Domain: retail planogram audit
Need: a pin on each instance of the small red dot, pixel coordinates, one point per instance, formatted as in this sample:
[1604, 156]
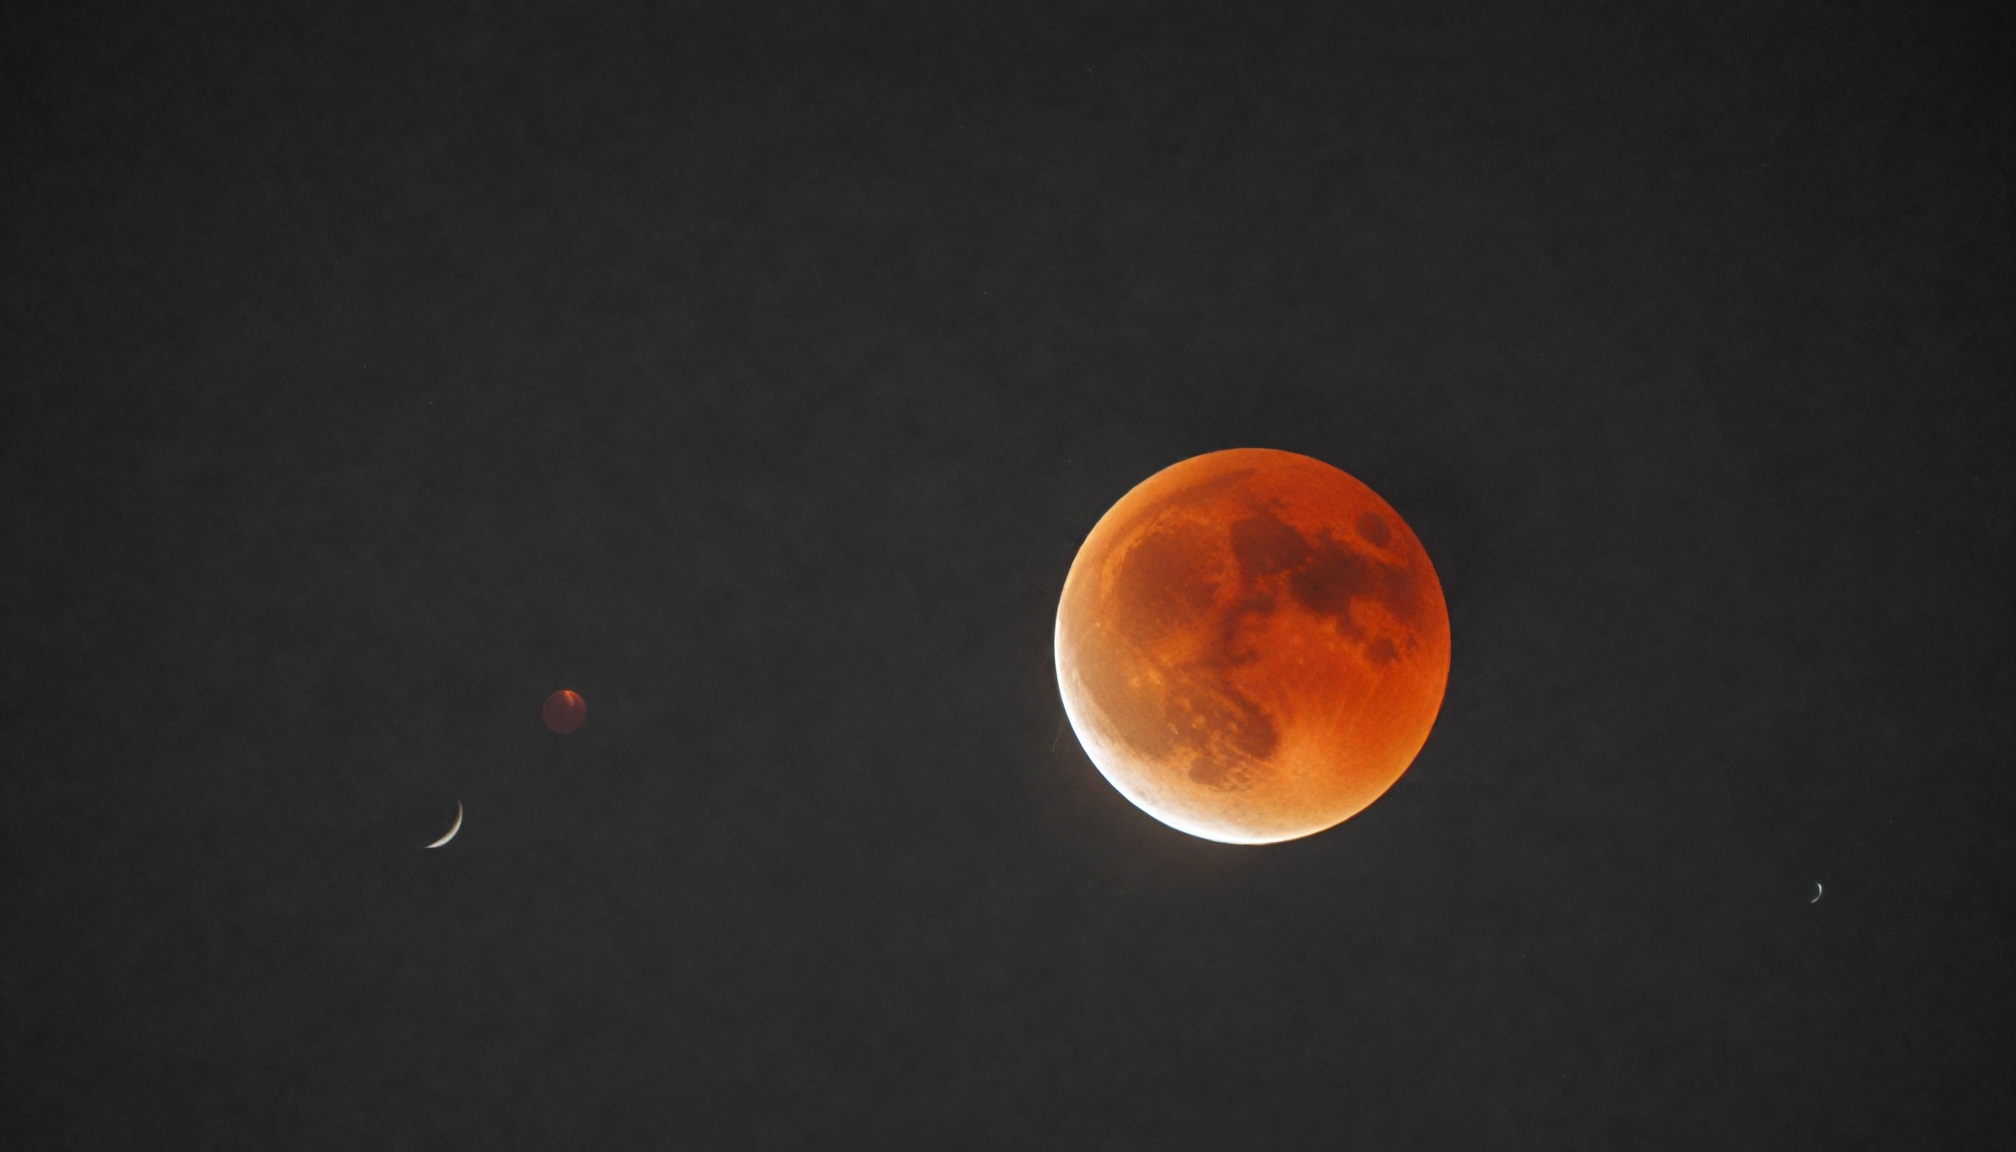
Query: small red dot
[564, 711]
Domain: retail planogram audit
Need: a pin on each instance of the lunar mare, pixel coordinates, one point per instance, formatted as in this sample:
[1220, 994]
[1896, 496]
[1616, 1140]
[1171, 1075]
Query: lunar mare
[1252, 646]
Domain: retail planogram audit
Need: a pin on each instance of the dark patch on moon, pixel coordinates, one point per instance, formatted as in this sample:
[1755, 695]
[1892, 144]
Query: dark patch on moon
[1170, 583]
[1331, 581]
[1214, 773]
[1264, 545]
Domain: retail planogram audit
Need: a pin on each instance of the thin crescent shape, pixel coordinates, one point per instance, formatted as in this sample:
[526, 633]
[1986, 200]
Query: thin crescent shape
[1819, 890]
[452, 828]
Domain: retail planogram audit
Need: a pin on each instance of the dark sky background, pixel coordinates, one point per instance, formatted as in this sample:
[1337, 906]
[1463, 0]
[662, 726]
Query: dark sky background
[756, 372]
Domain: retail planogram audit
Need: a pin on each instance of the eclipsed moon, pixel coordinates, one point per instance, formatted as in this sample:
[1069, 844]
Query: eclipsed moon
[1252, 646]
[564, 711]
[452, 828]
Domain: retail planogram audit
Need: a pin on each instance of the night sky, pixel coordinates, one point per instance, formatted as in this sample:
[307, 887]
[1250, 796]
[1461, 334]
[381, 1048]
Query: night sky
[756, 372]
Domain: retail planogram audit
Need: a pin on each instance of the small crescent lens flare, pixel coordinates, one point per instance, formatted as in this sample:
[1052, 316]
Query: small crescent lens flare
[564, 711]
[1252, 646]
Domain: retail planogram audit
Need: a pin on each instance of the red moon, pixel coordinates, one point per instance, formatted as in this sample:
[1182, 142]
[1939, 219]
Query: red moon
[564, 711]
[1252, 646]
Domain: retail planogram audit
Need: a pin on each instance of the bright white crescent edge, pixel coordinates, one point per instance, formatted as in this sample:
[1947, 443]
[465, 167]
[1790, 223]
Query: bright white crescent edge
[1819, 889]
[452, 828]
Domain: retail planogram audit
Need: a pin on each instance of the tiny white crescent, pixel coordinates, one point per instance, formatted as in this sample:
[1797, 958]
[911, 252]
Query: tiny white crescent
[452, 828]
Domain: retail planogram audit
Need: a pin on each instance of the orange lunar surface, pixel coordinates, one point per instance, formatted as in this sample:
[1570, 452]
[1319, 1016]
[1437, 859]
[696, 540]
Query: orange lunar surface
[1252, 646]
